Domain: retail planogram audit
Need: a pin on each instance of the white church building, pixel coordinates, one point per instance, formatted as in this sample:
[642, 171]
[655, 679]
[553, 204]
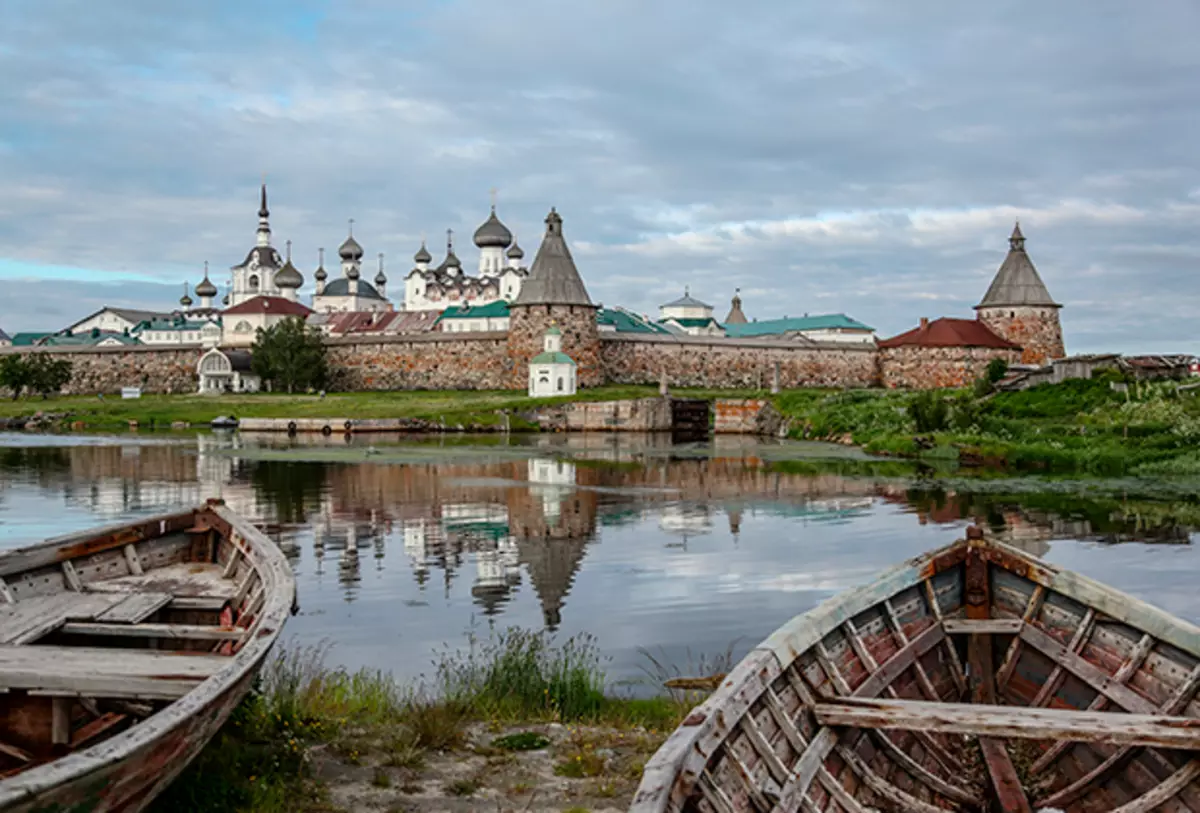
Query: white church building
[552, 372]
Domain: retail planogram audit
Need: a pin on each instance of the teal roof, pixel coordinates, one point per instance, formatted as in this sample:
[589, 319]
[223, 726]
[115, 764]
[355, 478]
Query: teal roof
[691, 322]
[552, 358]
[86, 340]
[493, 310]
[169, 324]
[28, 339]
[626, 322]
[778, 327]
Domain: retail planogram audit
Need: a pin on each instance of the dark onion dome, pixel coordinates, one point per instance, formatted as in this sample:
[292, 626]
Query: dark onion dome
[515, 252]
[185, 300]
[380, 279]
[352, 272]
[320, 273]
[288, 276]
[493, 233]
[422, 255]
[341, 287]
[225, 300]
[206, 288]
[350, 250]
[265, 256]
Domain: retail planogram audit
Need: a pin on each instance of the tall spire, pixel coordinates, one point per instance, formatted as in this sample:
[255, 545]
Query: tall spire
[1017, 241]
[264, 214]
[553, 277]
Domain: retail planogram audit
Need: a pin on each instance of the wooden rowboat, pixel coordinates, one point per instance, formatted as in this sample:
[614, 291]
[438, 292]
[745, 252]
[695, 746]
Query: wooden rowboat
[972, 678]
[124, 649]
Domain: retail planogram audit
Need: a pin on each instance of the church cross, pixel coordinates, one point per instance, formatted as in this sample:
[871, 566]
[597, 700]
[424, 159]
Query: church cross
[351, 227]
[449, 240]
[493, 194]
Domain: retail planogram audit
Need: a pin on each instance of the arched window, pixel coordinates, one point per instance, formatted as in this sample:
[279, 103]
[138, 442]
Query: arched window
[253, 282]
[560, 384]
[243, 327]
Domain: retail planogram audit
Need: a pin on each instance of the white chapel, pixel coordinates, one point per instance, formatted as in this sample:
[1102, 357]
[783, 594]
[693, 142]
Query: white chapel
[552, 372]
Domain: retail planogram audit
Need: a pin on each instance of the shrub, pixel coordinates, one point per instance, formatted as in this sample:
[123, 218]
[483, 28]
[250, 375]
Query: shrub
[929, 411]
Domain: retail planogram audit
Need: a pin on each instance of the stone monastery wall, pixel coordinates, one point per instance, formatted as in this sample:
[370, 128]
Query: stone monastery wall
[734, 363]
[921, 368]
[477, 361]
[432, 361]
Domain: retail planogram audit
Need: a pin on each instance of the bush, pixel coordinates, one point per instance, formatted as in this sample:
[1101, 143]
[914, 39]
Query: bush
[929, 412]
[996, 370]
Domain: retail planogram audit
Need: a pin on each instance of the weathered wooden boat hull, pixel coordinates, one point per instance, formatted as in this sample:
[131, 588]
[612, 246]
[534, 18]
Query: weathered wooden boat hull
[126, 771]
[974, 677]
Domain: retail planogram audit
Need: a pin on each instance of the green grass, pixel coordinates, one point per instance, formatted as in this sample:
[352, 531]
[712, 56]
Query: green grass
[481, 408]
[259, 762]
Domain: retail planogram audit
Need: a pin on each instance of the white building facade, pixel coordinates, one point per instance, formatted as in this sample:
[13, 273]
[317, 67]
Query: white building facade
[552, 372]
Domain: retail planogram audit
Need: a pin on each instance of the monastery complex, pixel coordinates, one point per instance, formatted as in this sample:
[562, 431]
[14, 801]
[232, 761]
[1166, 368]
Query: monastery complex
[511, 325]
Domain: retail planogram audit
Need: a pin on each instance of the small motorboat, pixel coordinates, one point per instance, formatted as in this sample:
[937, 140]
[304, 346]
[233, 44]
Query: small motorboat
[224, 422]
[124, 649]
[973, 678]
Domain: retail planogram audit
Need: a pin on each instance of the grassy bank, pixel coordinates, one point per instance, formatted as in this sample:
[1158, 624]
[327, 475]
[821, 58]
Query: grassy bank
[1104, 426]
[511, 717]
[470, 408]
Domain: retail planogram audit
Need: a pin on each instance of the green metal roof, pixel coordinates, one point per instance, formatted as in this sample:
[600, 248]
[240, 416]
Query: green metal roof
[778, 327]
[87, 340]
[169, 324]
[626, 322]
[552, 358]
[492, 310]
[28, 339]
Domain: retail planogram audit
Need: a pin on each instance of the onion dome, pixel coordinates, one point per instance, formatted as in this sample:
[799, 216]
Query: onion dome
[206, 288]
[515, 252]
[320, 274]
[225, 299]
[350, 250]
[352, 272]
[452, 260]
[380, 279]
[422, 255]
[289, 276]
[185, 300]
[493, 233]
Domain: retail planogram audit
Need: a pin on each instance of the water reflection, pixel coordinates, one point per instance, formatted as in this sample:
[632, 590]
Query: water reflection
[644, 544]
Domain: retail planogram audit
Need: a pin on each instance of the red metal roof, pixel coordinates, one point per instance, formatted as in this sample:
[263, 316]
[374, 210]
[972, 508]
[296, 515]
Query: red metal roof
[947, 332]
[268, 304]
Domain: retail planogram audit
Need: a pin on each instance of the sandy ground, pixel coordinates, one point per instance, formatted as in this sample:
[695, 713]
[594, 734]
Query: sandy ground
[584, 768]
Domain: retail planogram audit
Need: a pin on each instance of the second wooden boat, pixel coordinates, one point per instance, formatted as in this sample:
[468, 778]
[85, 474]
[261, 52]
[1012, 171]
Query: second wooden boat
[124, 649]
[972, 678]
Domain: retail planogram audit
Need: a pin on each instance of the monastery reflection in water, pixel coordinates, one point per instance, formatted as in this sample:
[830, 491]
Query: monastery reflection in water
[502, 522]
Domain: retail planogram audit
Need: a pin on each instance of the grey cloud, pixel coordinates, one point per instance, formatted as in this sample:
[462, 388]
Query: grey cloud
[791, 149]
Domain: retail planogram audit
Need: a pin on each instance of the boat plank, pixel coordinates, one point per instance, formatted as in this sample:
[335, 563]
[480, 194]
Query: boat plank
[1014, 721]
[1174, 705]
[1131, 665]
[65, 548]
[956, 668]
[135, 607]
[64, 670]
[1009, 792]
[1164, 791]
[190, 632]
[982, 626]
[31, 618]
[1089, 673]
[182, 579]
[1096, 677]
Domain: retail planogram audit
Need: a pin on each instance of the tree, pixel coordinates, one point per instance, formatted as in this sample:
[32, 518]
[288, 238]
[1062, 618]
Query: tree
[14, 374]
[47, 374]
[291, 356]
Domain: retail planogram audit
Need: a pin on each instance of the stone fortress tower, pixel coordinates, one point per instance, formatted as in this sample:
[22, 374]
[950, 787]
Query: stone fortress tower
[1018, 307]
[555, 294]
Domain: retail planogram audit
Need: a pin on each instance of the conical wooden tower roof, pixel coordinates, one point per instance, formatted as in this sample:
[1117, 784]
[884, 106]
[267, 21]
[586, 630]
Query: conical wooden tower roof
[553, 277]
[1017, 283]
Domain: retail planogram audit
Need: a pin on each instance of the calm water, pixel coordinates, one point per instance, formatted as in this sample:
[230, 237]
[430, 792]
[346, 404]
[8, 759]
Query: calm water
[401, 549]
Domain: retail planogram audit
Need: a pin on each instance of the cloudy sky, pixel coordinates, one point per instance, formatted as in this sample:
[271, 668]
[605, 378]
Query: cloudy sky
[864, 156]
